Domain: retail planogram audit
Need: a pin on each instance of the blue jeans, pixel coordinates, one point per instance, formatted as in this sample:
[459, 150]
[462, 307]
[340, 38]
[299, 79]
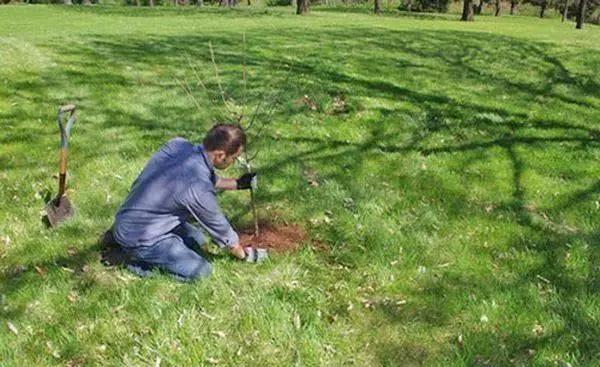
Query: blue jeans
[172, 254]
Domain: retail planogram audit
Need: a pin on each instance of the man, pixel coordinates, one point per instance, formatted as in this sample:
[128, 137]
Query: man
[178, 184]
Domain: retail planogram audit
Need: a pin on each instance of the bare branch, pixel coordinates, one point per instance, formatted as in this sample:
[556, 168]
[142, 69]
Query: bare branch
[188, 91]
[212, 57]
[244, 78]
[200, 82]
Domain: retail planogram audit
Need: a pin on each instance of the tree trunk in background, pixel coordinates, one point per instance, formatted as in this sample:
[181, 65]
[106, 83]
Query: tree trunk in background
[377, 7]
[68, 2]
[513, 7]
[249, 3]
[580, 14]
[565, 11]
[151, 3]
[497, 12]
[87, 2]
[302, 8]
[543, 9]
[479, 8]
[467, 14]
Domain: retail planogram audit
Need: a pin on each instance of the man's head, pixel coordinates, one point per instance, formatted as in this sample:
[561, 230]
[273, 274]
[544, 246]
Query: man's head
[224, 144]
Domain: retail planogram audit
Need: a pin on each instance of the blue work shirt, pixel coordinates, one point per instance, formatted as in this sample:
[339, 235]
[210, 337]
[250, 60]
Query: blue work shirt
[177, 184]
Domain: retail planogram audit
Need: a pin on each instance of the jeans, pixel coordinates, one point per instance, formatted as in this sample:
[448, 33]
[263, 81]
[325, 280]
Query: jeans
[172, 254]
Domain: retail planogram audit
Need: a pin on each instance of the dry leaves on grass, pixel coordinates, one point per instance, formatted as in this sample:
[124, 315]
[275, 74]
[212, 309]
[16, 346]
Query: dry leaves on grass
[306, 101]
[13, 329]
[310, 176]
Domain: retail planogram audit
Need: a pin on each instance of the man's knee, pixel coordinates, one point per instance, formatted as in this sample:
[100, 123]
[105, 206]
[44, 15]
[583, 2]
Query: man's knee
[200, 269]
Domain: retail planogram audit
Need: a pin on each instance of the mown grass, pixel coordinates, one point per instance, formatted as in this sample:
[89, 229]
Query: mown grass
[457, 194]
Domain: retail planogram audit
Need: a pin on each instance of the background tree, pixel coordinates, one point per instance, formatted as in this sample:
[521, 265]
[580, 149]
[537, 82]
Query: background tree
[302, 8]
[467, 13]
[580, 14]
[497, 8]
[513, 7]
[565, 11]
[377, 7]
[544, 5]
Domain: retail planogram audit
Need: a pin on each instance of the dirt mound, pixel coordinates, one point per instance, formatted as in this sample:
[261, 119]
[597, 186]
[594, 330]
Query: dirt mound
[276, 238]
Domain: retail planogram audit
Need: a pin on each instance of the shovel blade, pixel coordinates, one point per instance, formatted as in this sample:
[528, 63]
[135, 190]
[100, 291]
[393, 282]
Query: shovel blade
[58, 210]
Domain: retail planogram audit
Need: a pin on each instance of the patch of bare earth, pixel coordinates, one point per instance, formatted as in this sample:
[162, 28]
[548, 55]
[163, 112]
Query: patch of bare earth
[276, 238]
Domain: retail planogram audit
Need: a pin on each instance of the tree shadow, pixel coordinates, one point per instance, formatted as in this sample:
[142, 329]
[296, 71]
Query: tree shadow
[461, 127]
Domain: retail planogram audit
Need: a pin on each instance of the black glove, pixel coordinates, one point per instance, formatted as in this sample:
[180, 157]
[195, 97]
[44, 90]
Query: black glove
[247, 181]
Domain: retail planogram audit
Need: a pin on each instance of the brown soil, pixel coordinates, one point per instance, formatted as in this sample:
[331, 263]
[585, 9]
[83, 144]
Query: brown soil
[276, 238]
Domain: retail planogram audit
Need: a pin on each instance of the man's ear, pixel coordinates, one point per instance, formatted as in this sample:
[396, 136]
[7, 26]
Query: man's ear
[219, 155]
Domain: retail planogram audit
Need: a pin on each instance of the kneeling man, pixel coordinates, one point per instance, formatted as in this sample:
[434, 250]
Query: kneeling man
[177, 185]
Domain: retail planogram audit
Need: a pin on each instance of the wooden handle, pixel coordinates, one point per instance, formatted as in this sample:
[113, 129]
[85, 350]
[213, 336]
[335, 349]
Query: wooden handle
[67, 108]
[62, 178]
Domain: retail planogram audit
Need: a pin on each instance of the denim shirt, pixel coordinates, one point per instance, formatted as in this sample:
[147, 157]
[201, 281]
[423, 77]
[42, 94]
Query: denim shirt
[176, 185]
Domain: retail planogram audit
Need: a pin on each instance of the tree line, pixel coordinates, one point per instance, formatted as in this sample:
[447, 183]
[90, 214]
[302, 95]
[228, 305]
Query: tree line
[578, 10]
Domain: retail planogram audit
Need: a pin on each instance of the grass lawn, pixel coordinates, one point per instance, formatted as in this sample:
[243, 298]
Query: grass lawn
[456, 193]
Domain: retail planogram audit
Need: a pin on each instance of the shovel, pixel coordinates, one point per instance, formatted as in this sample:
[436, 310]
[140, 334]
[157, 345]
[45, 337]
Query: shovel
[59, 209]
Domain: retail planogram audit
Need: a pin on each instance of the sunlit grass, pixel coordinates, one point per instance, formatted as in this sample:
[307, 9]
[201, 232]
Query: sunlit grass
[455, 187]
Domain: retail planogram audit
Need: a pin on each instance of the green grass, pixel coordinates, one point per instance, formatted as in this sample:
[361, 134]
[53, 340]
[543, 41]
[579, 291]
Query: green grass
[458, 195]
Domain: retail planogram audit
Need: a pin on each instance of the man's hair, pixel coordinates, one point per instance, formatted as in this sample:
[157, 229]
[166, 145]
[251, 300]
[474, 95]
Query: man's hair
[226, 137]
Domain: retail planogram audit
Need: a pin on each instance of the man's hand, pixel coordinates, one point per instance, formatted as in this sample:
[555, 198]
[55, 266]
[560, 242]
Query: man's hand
[237, 251]
[247, 181]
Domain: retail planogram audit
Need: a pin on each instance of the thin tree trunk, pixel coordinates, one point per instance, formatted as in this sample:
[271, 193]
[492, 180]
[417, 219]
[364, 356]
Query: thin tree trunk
[377, 7]
[543, 9]
[497, 12]
[513, 7]
[565, 11]
[479, 8]
[467, 14]
[580, 14]
[68, 2]
[302, 7]
[249, 3]
[151, 3]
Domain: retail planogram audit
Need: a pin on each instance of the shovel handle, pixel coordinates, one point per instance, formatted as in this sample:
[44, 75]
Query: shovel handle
[67, 108]
[62, 172]
[66, 130]
[64, 140]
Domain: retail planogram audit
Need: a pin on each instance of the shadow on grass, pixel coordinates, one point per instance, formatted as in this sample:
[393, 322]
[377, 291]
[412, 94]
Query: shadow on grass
[486, 111]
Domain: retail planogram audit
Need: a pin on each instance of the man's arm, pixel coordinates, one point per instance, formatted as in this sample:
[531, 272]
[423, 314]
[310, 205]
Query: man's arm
[204, 208]
[226, 183]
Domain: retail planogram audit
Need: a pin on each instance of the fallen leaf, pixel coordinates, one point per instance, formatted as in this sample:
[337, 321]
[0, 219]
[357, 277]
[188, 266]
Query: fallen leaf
[12, 328]
[297, 323]
[484, 318]
[212, 360]
[71, 251]
[41, 271]
[202, 313]
[118, 309]
[537, 329]
[220, 334]
[72, 297]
